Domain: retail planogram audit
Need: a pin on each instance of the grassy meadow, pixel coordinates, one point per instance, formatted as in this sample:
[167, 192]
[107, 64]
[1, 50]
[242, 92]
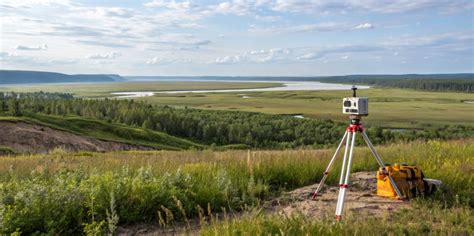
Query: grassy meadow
[70, 193]
[388, 107]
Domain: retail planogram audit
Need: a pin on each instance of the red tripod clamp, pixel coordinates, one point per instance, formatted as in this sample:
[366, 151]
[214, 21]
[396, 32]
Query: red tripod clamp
[353, 128]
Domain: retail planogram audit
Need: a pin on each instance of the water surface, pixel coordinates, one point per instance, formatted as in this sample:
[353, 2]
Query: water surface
[287, 86]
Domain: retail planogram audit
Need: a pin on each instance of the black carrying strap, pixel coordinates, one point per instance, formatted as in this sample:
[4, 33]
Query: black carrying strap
[413, 174]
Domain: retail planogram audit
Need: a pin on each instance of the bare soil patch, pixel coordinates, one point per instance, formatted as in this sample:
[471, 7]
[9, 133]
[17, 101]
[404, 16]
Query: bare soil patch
[360, 199]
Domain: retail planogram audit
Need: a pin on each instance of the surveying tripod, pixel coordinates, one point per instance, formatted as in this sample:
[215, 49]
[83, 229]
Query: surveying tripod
[350, 137]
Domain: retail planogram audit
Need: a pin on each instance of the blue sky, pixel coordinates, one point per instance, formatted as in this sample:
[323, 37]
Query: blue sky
[238, 37]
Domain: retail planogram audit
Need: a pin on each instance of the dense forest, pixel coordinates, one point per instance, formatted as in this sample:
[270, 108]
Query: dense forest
[457, 83]
[211, 127]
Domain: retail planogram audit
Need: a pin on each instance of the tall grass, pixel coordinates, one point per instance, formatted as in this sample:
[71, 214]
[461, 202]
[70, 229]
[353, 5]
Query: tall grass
[62, 193]
[424, 219]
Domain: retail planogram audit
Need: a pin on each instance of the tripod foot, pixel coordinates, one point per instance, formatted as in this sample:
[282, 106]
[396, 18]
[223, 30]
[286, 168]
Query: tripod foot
[314, 195]
[338, 217]
[402, 199]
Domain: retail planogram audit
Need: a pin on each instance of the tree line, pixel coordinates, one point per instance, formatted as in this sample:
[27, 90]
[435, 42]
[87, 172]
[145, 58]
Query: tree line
[255, 130]
[464, 84]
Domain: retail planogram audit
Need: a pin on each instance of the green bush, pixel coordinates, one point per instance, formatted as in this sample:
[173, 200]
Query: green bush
[6, 151]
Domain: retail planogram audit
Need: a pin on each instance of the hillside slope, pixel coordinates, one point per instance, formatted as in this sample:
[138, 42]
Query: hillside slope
[22, 77]
[40, 133]
[31, 138]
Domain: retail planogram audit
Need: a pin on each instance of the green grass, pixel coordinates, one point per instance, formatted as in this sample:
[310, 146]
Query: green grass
[64, 193]
[104, 89]
[394, 108]
[425, 218]
[108, 131]
[6, 151]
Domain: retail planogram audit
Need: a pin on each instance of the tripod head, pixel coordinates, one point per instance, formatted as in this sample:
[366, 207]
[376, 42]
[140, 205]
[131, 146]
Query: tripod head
[355, 119]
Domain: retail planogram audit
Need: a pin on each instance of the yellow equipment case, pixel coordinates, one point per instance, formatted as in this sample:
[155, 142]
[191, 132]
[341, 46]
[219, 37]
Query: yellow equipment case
[409, 180]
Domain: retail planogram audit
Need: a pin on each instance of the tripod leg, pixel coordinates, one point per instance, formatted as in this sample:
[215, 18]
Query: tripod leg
[348, 144]
[379, 160]
[344, 185]
[326, 172]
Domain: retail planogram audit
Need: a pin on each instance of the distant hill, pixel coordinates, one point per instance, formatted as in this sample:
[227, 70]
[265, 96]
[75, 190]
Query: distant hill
[22, 77]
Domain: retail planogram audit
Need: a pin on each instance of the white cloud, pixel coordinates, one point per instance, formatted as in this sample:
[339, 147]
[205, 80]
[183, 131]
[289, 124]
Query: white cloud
[154, 60]
[173, 42]
[455, 38]
[166, 61]
[104, 56]
[32, 48]
[316, 27]
[76, 30]
[378, 6]
[256, 56]
[267, 18]
[112, 27]
[364, 26]
[229, 59]
[325, 26]
[179, 6]
[156, 3]
[237, 7]
[247, 7]
[114, 12]
[342, 51]
[31, 3]
[104, 44]
[458, 43]
[308, 56]
[298, 54]
[257, 52]
[14, 58]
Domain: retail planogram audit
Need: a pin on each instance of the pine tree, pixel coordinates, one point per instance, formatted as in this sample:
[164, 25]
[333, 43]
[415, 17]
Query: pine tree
[14, 107]
[147, 124]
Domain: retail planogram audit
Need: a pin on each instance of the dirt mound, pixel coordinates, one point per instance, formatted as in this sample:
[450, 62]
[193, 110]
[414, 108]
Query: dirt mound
[360, 199]
[31, 138]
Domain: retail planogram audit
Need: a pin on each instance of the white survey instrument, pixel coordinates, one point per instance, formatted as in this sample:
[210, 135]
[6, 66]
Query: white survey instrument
[355, 106]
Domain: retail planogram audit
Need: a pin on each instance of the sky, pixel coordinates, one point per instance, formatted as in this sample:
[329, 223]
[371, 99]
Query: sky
[238, 37]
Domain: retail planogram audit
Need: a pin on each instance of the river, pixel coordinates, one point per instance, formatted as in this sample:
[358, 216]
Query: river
[287, 86]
